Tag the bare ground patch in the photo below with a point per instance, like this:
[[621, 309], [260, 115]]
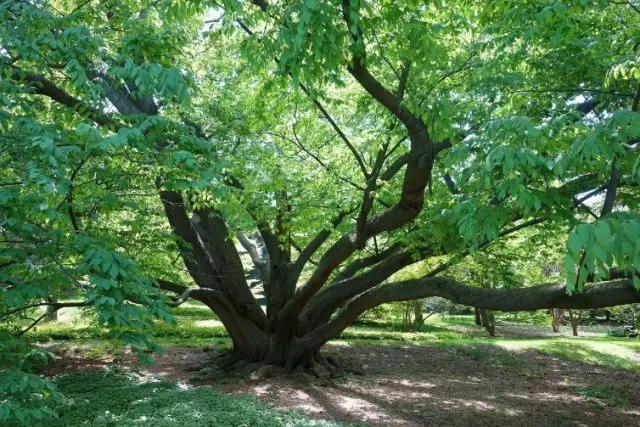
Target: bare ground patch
[[417, 385]]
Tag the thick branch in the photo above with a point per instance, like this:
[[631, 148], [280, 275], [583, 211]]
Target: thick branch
[[360, 72], [43, 86], [603, 294], [612, 189], [394, 167], [194, 255], [220, 248], [313, 246], [356, 266], [325, 302], [166, 285]]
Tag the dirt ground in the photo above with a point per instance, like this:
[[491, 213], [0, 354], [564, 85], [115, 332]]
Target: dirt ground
[[415, 385]]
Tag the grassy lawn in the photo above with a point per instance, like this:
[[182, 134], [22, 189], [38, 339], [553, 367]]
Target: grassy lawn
[[197, 327]]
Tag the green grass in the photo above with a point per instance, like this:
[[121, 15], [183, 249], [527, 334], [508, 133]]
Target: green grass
[[194, 312], [395, 332], [602, 353], [196, 326], [106, 399], [609, 395]]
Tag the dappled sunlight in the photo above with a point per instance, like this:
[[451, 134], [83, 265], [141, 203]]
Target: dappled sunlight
[[514, 345], [569, 382], [557, 397], [363, 409], [410, 379], [609, 348], [261, 390], [518, 396], [467, 381], [615, 350], [289, 398], [339, 343], [477, 405], [445, 386], [415, 385], [409, 383], [208, 323]]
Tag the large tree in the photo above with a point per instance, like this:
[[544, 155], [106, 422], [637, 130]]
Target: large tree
[[337, 141]]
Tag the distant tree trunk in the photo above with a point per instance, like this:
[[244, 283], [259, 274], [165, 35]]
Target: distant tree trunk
[[478, 318], [575, 321], [406, 316], [52, 312], [488, 319], [556, 319], [418, 316], [412, 316]]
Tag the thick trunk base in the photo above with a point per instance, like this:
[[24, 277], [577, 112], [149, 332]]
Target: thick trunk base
[[312, 367]]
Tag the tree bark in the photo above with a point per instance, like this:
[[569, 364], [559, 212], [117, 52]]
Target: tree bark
[[556, 319], [418, 316], [478, 318], [601, 294], [575, 321], [52, 310], [488, 321]]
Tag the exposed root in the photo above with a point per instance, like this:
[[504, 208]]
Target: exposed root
[[268, 371], [229, 360], [312, 368], [320, 371]]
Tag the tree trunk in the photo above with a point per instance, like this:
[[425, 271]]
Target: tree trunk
[[300, 350], [488, 321], [52, 311], [406, 315], [418, 316], [556, 319], [575, 321], [478, 317]]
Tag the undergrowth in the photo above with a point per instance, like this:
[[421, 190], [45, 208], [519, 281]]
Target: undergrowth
[[111, 398]]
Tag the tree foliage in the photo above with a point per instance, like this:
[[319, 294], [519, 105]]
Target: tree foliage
[[351, 138]]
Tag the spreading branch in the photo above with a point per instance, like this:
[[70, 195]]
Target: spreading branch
[[603, 294]]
